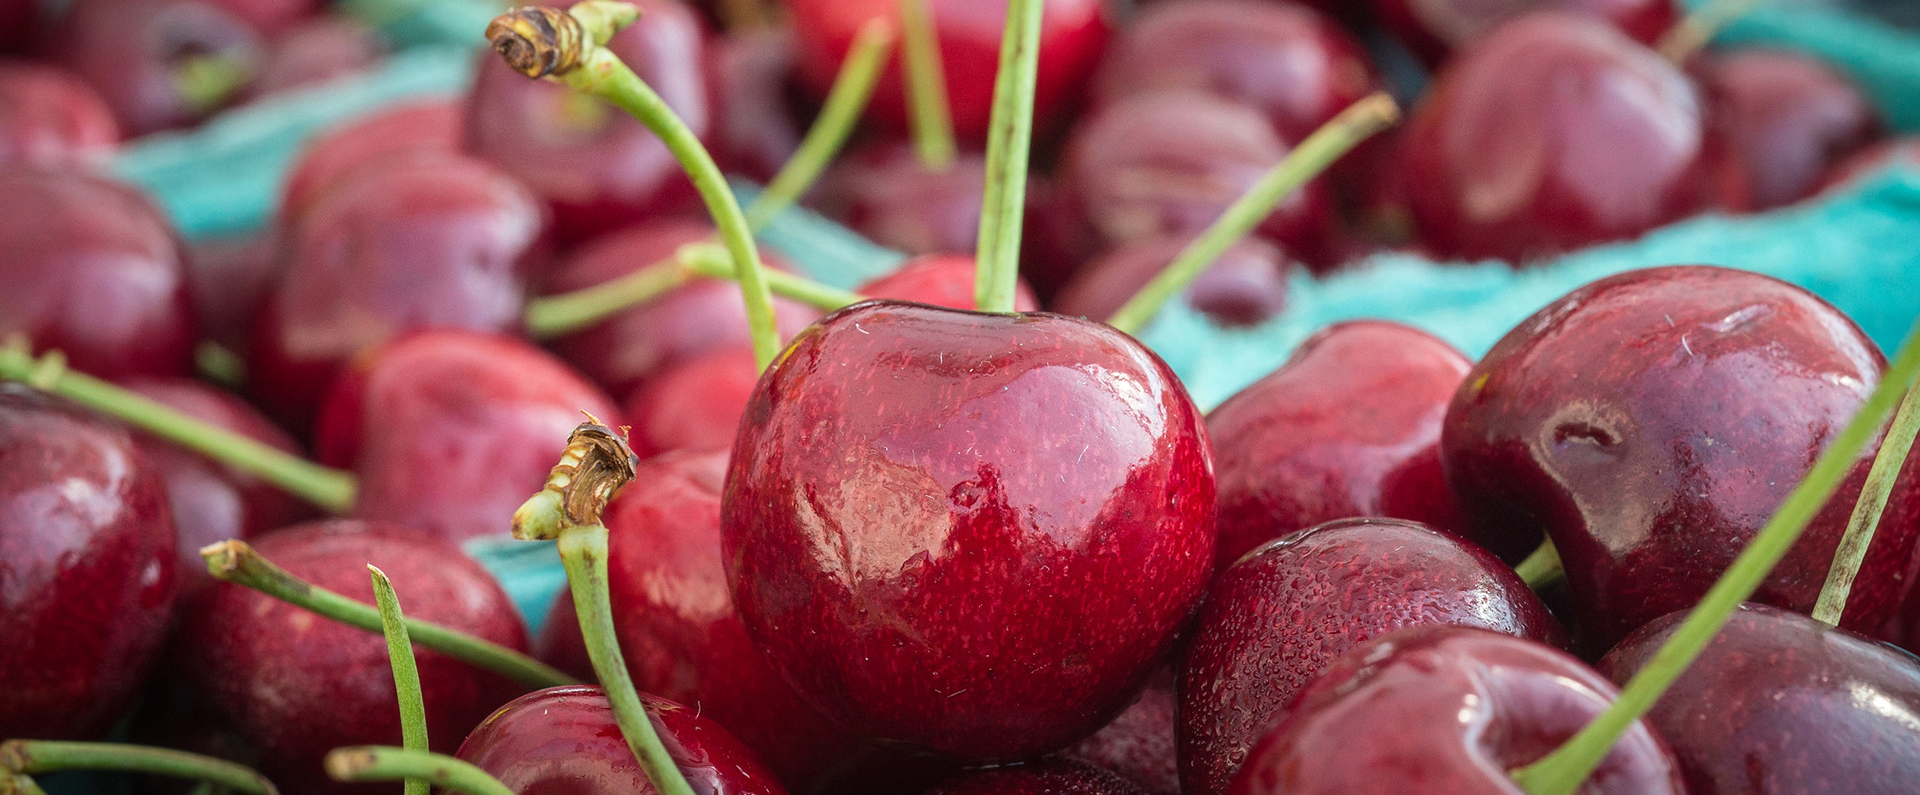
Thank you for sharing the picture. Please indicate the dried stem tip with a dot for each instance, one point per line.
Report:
(593, 467)
(538, 41)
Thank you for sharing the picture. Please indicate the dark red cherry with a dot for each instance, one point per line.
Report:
(1245, 286)
(49, 119)
(1139, 744)
(940, 280)
(1072, 35)
(693, 405)
(1899, 152)
(1436, 28)
(886, 194)
(563, 741)
(92, 268)
(1443, 710)
(87, 574)
(1049, 777)
(448, 431)
(1274, 620)
(1350, 426)
(1651, 422)
(928, 509)
(431, 125)
(271, 17)
(295, 685)
(229, 277)
(432, 241)
(1781, 703)
(758, 130)
(1553, 132)
(1779, 122)
(141, 56)
(596, 166)
(317, 51)
(20, 20)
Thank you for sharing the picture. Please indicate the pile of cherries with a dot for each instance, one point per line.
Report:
(932, 549)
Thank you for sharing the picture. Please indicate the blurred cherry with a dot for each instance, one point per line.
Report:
(940, 280)
(317, 51)
(49, 119)
(273, 18)
(431, 125)
(758, 131)
(884, 192)
(1896, 153)
(1436, 28)
(692, 405)
(20, 21)
(1139, 743)
(1245, 286)
(159, 63)
(1049, 777)
(1779, 123)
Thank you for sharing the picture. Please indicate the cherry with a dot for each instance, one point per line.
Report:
(1813, 708)
(431, 125)
(141, 56)
(317, 51)
(928, 508)
(1245, 286)
(92, 268)
(432, 241)
(1553, 132)
(1904, 152)
(49, 119)
(86, 568)
(448, 430)
(295, 685)
(758, 132)
(274, 18)
(1072, 35)
(694, 405)
(1779, 122)
(19, 22)
(1139, 744)
(563, 741)
(939, 280)
(1436, 28)
(1275, 619)
(1445, 710)
(1350, 426)
(597, 167)
(885, 193)
(228, 278)
(1651, 422)
(1050, 777)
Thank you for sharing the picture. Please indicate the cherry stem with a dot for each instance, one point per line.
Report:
(206, 81)
(386, 763)
(1562, 771)
(1693, 32)
(567, 46)
(926, 84)
(20, 784)
(239, 563)
(711, 261)
(1542, 567)
(1009, 144)
(555, 315)
(852, 89)
(1338, 136)
(36, 757)
(219, 364)
(406, 673)
(329, 488)
(743, 14)
(1866, 512)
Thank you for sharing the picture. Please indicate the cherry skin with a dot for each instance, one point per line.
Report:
(274, 18)
(1436, 28)
(317, 51)
(448, 431)
(93, 269)
(19, 22)
(134, 52)
(1350, 426)
(1651, 422)
(596, 166)
(295, 685)
(1553, 132)
(1139, 744)
(1050, 777)
(87, 574)
(1245, 286)
(940, 280)
(1895, 153)
(886, 194)
(758, 131)
(1444, 710)
(49, 119)
(1780, 121)
(927, 510)
(431, 125)
(694, 405)
(1274, 620)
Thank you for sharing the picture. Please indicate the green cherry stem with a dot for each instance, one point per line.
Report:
(1542, 567)
(852, 88)
(1338, 136)
(1562, 771)
(385, 763)
(1009, 144)
(238, 563)
(1866, 512)
(19, 784)
(406, 674)
(1692, 32)
(555, 315)
(926, 85)
(36, 757)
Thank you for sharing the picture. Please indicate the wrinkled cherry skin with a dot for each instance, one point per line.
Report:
(1780, 703)
(1652, 422)
(1274, 620)
(93, 269)
(1049, 777)
(435, 241)
(563, 741)
(1552, 133)
(758, 130)
(1245, 286)
(927, 511)
(1444, 710)
(424, 126)
(87, 575)
(940, 280)
(131, 50)
(49, 119)
(1434, 29)
(1350, 426)
(885, 193)
(1072, 35)
(295, 685)
(449, 431)
(596, 166)
(1780, 121)
(694, 405)
(1139, 743)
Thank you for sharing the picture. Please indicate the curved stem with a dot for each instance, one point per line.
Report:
(926, 84)
(553, 315)
(406, 673)
(329, 488)
(709, 260)
(35, 757)
(1866, 512)
(1693, 32)
(385, 763)
(1357, 123)
(240, 564)
(584, 551)
(1542, 567)
(852, 88)
(1562, 771)
(1009, 144)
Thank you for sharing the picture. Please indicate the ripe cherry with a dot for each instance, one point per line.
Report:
(50, 119)
(1780, 121)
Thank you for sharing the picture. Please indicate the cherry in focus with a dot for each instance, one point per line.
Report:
(1048, 777)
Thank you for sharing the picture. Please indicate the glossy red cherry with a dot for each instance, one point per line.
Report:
(694, 405)
(295, 685)
(1445, 710)
(940, 280)
(1050, 777)
(138, 54)
(563, 741)
(92, 268)
(49, 119)
(886, 194)
(1139, 744)
(1651, 422)
(1350, 426)
(1245, 286)
(1779, 702)
(1274, 620)
(1436, 28)
(927, 511)
(424, 126)
(87, 573)
(1779, 122)
(758, 131)
(596, 166)
(317, 51)
(1553, 132)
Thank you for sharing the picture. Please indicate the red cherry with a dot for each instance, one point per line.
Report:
(1245, 286)
(885, 193)
(402, 130)
(694, 405)
(49, 119)
(1436, 28)
(940, 280)
(133, 51)
(1899, 152)
(229, 278)
(1780, 121)
(755, 71)
(1050, 777)
(1139, 744)
(317, 51)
